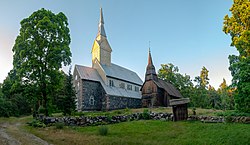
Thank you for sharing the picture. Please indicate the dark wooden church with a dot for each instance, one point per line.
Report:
(155, 91)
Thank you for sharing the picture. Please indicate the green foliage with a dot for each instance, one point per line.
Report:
(170, 73)
(228, 119)
(238, 27)
(6, 108)
(59, 125)
(69, 104)
(36, 123)
(202, 95)
(232, 113)
(40, 49)
(202, 80)
(41, 110)
(145, 114)
(103, 130)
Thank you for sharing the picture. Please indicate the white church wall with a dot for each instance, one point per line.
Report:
(123, 84)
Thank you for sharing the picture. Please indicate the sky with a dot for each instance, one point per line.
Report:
(186, 33)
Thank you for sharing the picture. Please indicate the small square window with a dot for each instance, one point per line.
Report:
(122, 85)
(111, 83)
(129, 87)
(136, 89)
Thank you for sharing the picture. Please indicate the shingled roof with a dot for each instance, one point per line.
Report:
(122, 73)
(168, 87)
(88, 73)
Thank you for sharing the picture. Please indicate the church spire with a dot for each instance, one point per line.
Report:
(101, 30)
(150, 71)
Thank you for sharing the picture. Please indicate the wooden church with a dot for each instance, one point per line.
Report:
(155, 91)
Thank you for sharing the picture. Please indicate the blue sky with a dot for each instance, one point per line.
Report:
(185, 33)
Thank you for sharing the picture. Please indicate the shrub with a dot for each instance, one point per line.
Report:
(41, 110)
(103, 130)
(232, 113)
(228, 119)
(145, 114)
(36, 123)
(59, 125)
(78, 113)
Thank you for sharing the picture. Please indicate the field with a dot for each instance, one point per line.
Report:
(137, 132)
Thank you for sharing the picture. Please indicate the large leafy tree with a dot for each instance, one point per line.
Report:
(40, 49)
(238, 27)
(170, 73)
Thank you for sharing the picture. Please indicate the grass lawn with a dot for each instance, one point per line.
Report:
(150, 132)
(199, 111)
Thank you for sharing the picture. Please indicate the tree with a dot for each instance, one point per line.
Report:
(168, 72)
(201, 97)
(69, 104)
(202, 80)
(238, 27)
(40, 49)
(225, 92)
(214, 99)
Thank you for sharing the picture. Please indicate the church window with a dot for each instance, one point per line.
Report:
(136, 89)
(76, 77)
(149, 89)
(92, 100)
(129, 87)
(122, 85)
(111, 83)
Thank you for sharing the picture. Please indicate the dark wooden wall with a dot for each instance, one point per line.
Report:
(152, 95)
(180, 112)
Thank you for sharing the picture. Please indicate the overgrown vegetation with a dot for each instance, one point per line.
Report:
(36, 123)
(103, 130)
(59, 125)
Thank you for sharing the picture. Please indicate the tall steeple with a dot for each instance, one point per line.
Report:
(101, 50)
(150, 72)
(101, 30)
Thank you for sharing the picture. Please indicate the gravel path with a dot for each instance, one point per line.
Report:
(12, 134)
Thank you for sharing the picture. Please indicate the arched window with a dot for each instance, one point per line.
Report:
(92, 100)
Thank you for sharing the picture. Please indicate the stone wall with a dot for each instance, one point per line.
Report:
(220, 119)
(93, 93)
(102, 120)
(115, 102)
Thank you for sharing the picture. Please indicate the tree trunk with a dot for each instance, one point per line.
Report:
(45, 99)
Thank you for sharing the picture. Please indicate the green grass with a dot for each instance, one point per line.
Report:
(199, 111)
(145, 131)
(150, 132)
(159, 132)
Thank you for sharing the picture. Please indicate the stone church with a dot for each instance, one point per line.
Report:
(155, 91)
(105, 85)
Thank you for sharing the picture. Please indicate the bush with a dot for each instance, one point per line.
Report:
(36, 123)
(228, 119)
(232, 113)
(145, 114)
(103, 130)
(59, 125)
(41, 110)
(78, 113)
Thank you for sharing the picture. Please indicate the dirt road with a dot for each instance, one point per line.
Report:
(11, 133)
